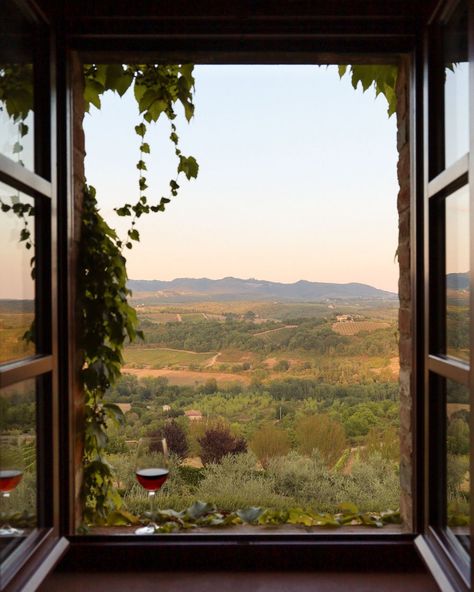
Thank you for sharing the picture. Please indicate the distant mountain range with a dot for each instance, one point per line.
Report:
(457, 281)
(230, 288)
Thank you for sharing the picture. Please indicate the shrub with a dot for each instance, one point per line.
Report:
(217, 442)
(176, 438)
(307, 480)
(236, 483)
(282, 366)
(268, 442)
(374, 484)
(322, 433)
(385, 441)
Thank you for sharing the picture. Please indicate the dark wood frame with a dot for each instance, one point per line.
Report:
(32, 560)
(242, 32)
(438, 547)
(123, 41)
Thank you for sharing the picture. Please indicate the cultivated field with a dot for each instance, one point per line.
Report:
(187, 377)
(158, 357)
(354, 327)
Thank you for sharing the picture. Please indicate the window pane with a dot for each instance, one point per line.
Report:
(456, 97)
(457, 466)
(457, 274)
(17, 287)
(16, 86)
(17, 465)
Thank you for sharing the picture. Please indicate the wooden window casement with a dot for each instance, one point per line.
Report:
(25, 49)
(355, 31)
(448, 287)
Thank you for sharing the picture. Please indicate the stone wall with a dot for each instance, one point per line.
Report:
(78, 177)
(404, 290)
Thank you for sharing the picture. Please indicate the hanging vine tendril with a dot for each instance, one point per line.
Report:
(107, 320)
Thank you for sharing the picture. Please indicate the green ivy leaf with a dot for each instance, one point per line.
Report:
(188, 166)
(115, 413)
(145, 148)
(348, 508)
(199, 509)
(140, 129)
(92, 92)
(134, 235)
(250, 515)
(118, 79)
(23, 129)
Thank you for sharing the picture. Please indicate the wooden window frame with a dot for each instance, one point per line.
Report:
(31, 561)
(96, 37)
(450, 566)
(124, 42)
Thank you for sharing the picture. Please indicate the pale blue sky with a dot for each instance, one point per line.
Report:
(297, 179)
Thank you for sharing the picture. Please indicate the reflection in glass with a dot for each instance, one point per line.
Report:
(457, 274)
(17, 287)
(456, 94)
(457, 468)
(16, 86)
(17, 465)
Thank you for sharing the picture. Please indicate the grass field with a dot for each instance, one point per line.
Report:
(162, 357)
(157, 316)
(354, 327)
(193, 317)
(12, 329)
(376, 310)
(187, 377)
(275, 335)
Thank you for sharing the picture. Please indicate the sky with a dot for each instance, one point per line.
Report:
(297, 180)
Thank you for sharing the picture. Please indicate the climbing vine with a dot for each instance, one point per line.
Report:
(382, 78)
(107, 321)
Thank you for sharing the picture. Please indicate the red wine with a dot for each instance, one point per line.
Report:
(152, 479)
(9, 479)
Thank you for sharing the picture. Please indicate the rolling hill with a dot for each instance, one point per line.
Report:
(230, 288)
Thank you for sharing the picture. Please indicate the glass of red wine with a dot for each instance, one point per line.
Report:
(151, 471)
(11, 473)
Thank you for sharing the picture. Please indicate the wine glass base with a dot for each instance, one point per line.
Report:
(10, 531)
(150, 529)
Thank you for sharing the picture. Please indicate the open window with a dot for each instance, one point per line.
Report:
(42, 375)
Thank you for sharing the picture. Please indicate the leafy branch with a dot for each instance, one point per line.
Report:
(205, 515)
(106, 323)
(382, 78)
(157, 89)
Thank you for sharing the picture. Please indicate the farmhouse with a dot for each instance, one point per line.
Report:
(193, 415)
(344, 318)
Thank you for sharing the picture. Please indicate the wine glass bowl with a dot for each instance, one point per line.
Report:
(151, 472)
(11, 473)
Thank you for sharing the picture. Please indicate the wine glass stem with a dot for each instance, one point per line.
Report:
(6, 507)
(152, 495)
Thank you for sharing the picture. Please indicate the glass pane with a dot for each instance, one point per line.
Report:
(457, 274)
(456, 93)
(18, 487)
(17, 287)
(457, 467)
(16, 86)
